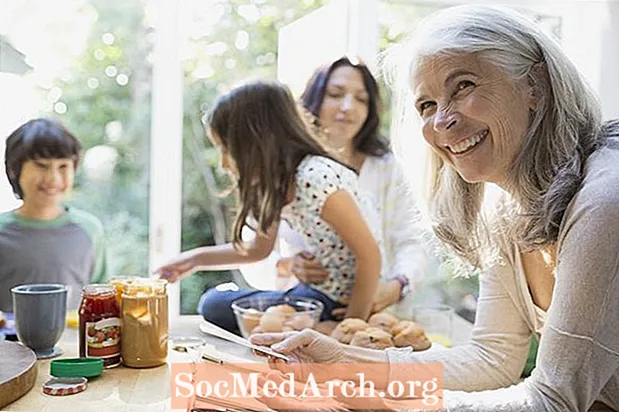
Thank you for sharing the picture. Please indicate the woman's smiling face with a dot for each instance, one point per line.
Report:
(473, 114)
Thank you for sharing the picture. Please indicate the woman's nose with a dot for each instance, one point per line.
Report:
(445, 119)
(346, 103)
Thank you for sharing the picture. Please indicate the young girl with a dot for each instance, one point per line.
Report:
(282, 172)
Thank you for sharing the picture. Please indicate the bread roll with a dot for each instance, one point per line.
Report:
(383, 320)
(283, 309)
(345, 331)
(272, 322)
(414, 337)
(372, 338)
(403, 324)
(300, 321)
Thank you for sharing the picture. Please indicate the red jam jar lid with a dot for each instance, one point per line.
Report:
(64, 386)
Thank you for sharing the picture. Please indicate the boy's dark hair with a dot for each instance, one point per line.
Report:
(38, 139)
(261, 128)
(368, 140)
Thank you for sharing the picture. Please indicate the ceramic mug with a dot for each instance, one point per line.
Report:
(40, 311)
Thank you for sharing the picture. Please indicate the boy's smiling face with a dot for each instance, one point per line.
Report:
(45, 182)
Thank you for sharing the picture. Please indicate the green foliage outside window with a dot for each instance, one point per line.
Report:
(107, 93)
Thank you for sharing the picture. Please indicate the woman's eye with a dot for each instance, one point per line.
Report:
(464, 84)
(424, 106)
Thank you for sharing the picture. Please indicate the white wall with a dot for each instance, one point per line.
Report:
(339, 28)
(590, 32)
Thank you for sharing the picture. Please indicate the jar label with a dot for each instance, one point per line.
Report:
(103, 338)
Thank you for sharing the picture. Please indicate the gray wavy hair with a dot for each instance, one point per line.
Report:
(565, 128)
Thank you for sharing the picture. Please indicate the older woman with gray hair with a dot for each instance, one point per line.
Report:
(499, 102)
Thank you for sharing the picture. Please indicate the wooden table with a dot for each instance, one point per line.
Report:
(124, 389)
(119, 389)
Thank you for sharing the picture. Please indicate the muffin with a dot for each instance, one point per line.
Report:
(401, 325)
(345, 331)
(300, 321)
(284, 309)
(272, 322)
(372, 338)
(413, 336)
(383, 320)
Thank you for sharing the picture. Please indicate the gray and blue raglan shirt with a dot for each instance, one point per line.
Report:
(69, 250)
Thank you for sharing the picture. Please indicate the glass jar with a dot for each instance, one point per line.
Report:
(118, 282)
(100, 325)
(145, 322)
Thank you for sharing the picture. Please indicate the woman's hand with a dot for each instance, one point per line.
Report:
(178, 268)
(304, 266)
(307, 346)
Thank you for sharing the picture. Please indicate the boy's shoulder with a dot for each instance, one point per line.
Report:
(6, 218)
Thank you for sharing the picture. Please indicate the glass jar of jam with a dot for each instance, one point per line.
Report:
(100, 324)
(145, 322)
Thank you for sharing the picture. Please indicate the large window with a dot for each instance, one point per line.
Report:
(91, 64)
(223, 43)
(397, 18)
(89, 67)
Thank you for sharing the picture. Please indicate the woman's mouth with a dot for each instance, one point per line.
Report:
(469, 144)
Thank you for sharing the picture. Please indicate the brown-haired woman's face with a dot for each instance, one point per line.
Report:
(474, 116)
(344, 107)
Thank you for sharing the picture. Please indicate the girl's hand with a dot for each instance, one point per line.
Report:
(177, 268)
(305, 267)
(388, 293)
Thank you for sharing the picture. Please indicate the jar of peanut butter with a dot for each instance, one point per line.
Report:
(144, 312)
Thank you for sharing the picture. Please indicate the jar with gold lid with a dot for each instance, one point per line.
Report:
(144, 313)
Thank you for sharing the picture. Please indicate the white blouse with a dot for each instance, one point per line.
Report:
(382, 181)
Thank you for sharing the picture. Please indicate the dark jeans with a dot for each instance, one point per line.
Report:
(215, 305)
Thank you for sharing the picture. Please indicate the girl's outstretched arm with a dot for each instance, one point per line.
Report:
(220, 257)
(342, 213)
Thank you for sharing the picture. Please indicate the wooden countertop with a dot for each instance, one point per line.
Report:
(119, 389)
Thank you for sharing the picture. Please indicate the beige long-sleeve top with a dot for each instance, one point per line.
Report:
(578, 358)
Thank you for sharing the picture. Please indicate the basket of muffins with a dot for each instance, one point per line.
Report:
(382, 330)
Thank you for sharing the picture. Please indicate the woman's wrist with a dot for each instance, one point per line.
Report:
(377, 358)
(354, 354)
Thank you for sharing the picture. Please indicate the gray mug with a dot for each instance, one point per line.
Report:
(40, 312)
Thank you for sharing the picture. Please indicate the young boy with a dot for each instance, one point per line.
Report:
(44, 241)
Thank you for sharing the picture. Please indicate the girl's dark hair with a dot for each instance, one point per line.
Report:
(38, 139)
(368, 140)
(260, 127)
